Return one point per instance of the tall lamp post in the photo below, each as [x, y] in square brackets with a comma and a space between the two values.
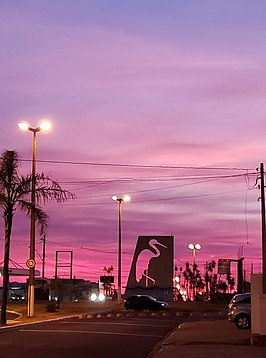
[194, 248]
[44, 126]
[120, 201]
[263, 227]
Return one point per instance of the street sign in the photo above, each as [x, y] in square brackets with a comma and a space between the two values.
[224, 266]
[107, 279]
[30, 263]
[19, 272]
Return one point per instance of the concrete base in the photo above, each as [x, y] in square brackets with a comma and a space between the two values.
[258, 311]
[258, 340]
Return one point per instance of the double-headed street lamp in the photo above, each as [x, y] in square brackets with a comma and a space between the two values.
[44, 126]
[194, 248]
[120, 201]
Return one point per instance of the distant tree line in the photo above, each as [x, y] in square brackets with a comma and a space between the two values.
[193, 284]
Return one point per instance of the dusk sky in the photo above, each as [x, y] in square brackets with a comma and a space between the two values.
[162, 100]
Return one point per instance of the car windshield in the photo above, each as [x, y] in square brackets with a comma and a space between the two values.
[245, 298]
[145, 297]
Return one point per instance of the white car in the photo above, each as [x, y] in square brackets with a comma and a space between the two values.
[239, 310]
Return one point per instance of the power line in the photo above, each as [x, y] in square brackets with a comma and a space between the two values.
[102, 251]
[159, 199]
[101, 181]
[85, 248]
[140, 166]
[168, 187]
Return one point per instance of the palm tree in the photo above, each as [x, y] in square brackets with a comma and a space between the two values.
[210, 266]
[230, 281]
[188, 274]
[107, 284]
[108, 270]
[15, 192]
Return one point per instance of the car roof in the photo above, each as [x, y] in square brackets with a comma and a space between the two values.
[240, 296]
[141, 296]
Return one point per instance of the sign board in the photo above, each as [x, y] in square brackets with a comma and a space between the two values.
[152, 264]
[19, 272]
[107, 279]
[224, 266]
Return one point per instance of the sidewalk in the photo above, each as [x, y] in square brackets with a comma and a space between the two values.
[217, 338]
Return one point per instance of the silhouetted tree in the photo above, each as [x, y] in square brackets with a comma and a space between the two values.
[222, 286]
[187, 274]
[107, 285]
[15, 192]
[210, 278]
[230, 281]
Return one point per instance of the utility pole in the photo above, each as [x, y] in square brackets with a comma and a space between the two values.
[262, 200]
[207, 280]
[240, 279]
[43, 254]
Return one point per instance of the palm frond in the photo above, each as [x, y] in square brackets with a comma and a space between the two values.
[9, 174]
[24, 187]
[3, 199]
[48, 189]
[40, 216]
[16, 189]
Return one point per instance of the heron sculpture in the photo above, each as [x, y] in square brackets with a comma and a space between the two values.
[143, 260]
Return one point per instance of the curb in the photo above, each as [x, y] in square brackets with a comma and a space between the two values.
[148, 314]
[111, 313]
[18, 325]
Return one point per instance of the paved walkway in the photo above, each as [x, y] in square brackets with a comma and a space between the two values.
[215, 338]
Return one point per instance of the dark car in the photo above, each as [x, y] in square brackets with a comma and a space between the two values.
[239, 310]
[144, 302]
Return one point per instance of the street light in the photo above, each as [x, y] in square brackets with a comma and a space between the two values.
[194, 248]
[44, 126]
[125, 198]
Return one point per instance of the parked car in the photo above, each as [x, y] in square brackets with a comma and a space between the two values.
[239, 310]
[144, 302]
[17, 297]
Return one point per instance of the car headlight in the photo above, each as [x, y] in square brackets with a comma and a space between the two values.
[101, 297]
[93, 297]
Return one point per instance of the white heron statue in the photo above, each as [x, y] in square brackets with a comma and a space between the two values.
[143, 261]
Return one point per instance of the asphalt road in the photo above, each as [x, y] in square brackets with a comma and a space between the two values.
[132, 337]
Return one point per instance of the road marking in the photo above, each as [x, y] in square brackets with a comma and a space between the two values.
[149, 320]
[119, 324]
[91, 332]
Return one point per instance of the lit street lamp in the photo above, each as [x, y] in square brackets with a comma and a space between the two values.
[120, 201]
[44, 126]
[194, 248]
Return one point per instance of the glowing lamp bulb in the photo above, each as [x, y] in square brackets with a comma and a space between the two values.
[23, 125]
[45, 125]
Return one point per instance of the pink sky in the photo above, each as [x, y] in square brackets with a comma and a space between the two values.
[159, 83]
